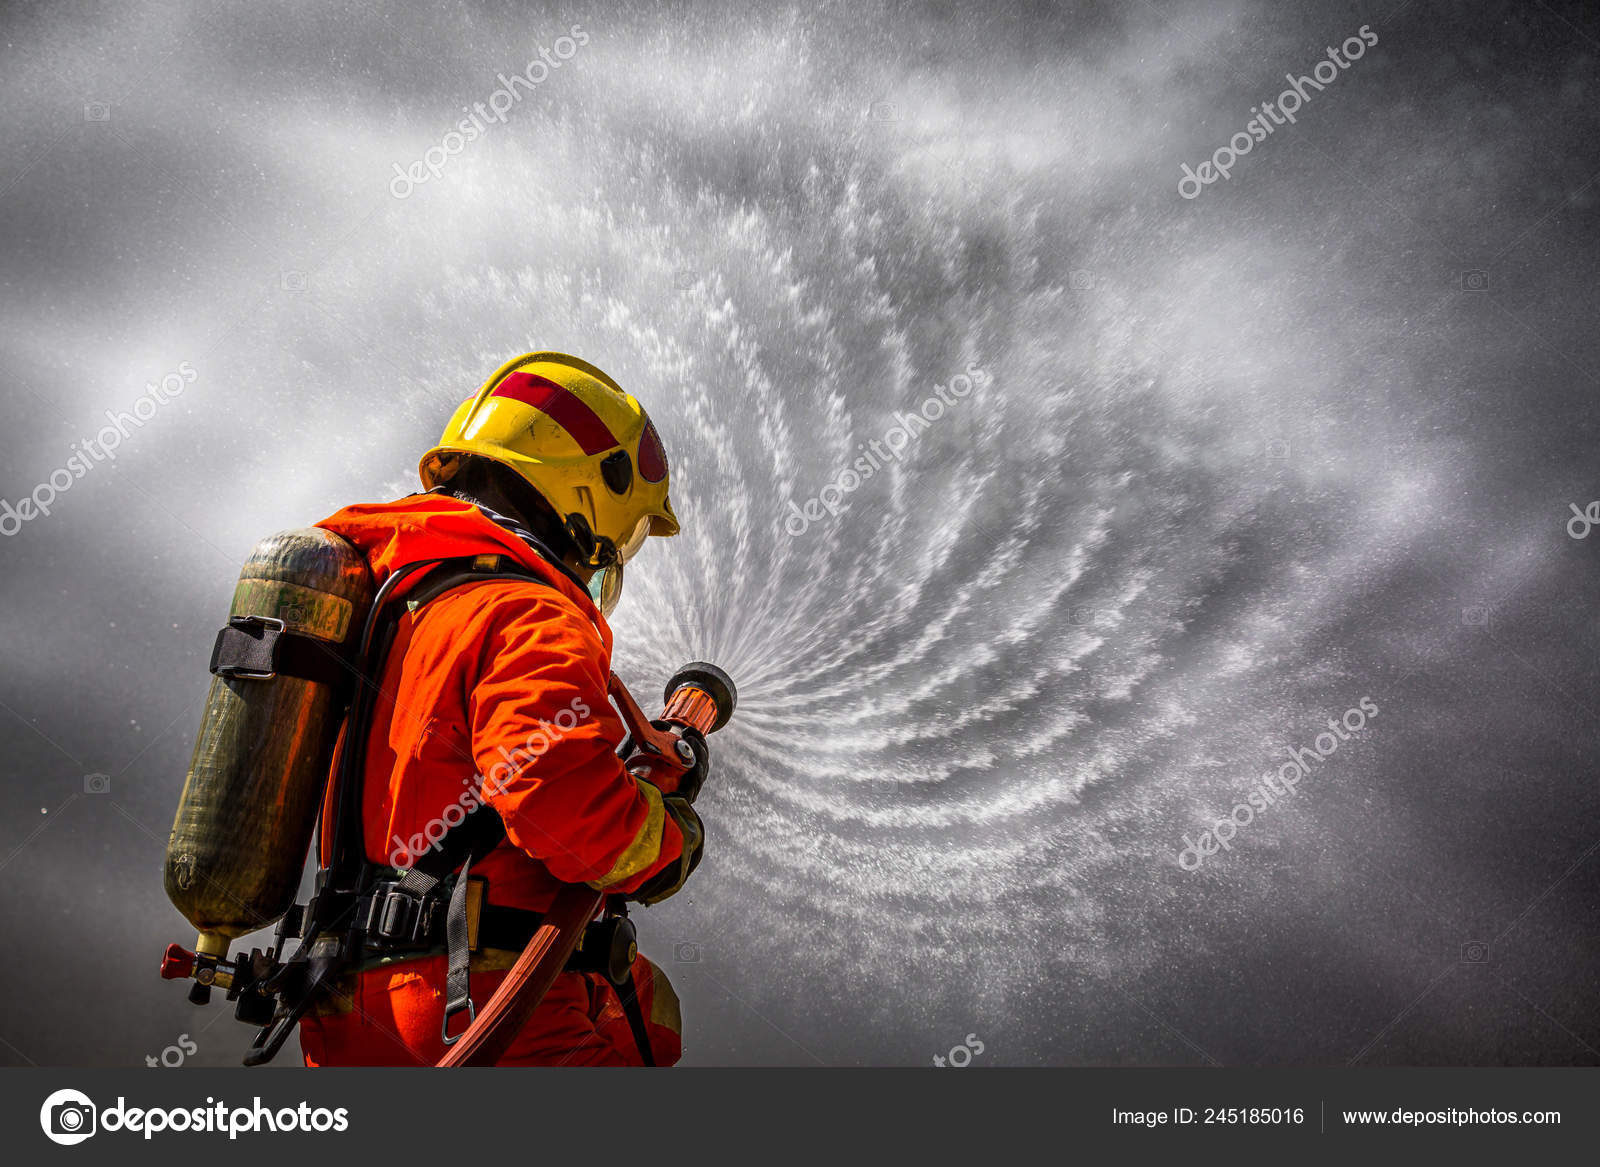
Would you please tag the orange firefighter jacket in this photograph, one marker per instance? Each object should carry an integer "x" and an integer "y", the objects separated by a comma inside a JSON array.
[{"x": 497, "y": 691}]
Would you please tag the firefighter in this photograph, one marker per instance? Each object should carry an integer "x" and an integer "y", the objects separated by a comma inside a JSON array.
[{"x": 493, "y": 701}]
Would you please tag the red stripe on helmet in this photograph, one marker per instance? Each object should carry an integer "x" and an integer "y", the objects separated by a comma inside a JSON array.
[
  {"x": 561, "y": 405},
  {"x": 652, "y": 457}
]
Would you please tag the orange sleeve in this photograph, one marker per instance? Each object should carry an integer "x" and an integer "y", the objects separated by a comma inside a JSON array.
[{"x": 544, "y": 737}]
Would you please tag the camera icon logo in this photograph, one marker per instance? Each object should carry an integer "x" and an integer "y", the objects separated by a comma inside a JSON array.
[
  {"x": 686, "y": 952},
  {"x": 1475, "y": 281},
  {"x": 293, "y": 281},
  {"x": 1475, "y": 952},
  {"x": 685, "y": 279},
  {"x": 96, "y": 111},
  {"x": 67, "y": 1117},
  {"x": 97, "y": 783}
]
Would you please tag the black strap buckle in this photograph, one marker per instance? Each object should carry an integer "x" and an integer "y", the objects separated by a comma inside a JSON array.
[
  {"x": 247, "y": 649},
  {"x": 396, "y": 917}
]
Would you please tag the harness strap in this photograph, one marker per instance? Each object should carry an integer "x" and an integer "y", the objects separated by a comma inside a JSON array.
[
  {"x": 440, "y": 577},
  {"x": 464, "y": 844},
  {"x": 333, "y": 927}
]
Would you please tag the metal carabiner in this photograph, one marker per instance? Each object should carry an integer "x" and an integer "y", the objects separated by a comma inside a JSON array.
[{"x": 449, "y": 1012}]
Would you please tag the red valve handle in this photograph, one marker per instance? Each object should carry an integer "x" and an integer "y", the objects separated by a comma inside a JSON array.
[{"x": 177, "y": 962}]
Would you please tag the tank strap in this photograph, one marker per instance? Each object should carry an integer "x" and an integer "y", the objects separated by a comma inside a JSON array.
[{"x": 259, "y": 648}]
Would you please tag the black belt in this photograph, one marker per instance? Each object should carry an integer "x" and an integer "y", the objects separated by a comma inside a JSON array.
[
  {"x": 509, "y": 928},
  {"x": 398, "y": 925},
  {"x": 396, "y": 922}
]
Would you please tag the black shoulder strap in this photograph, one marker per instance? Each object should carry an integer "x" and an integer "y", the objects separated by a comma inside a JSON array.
[{"x": 478, "y": 569}]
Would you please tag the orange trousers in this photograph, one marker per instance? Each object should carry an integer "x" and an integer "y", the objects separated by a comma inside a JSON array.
[{"x": 390, "y": 1016}]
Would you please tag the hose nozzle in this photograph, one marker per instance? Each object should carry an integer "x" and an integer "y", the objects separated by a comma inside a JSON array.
[{"x": 700, "y": 695}]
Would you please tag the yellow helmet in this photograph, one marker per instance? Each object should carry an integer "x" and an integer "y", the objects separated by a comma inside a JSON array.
[{"x": 586, "y": 446}]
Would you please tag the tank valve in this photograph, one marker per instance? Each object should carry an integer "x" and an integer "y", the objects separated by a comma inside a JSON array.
[{"x": 178, "y": 964}]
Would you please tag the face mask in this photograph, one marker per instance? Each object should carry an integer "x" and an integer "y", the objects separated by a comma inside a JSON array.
[{"x": 605, "y": 588}]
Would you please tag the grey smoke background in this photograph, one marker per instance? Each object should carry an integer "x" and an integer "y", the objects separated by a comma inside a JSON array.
[{"x": 1238, "y": 462}]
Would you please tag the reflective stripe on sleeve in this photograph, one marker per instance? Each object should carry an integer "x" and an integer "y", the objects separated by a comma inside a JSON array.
[{"x": 645, "y": 849}]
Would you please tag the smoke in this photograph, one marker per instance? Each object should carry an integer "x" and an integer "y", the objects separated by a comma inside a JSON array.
[{"x": 1202, "y": 474}]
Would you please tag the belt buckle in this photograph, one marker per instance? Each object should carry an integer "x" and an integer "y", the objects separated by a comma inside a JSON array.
[{"x": 397, "y": 917}]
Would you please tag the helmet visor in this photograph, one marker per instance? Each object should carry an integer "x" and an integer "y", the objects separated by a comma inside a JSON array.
[
  {"x": 629, "y": 547},
  {"x": 605, "y": 588}
]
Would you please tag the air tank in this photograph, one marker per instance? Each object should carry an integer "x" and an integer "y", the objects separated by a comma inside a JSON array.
[{"x": 261, "y": 758}]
